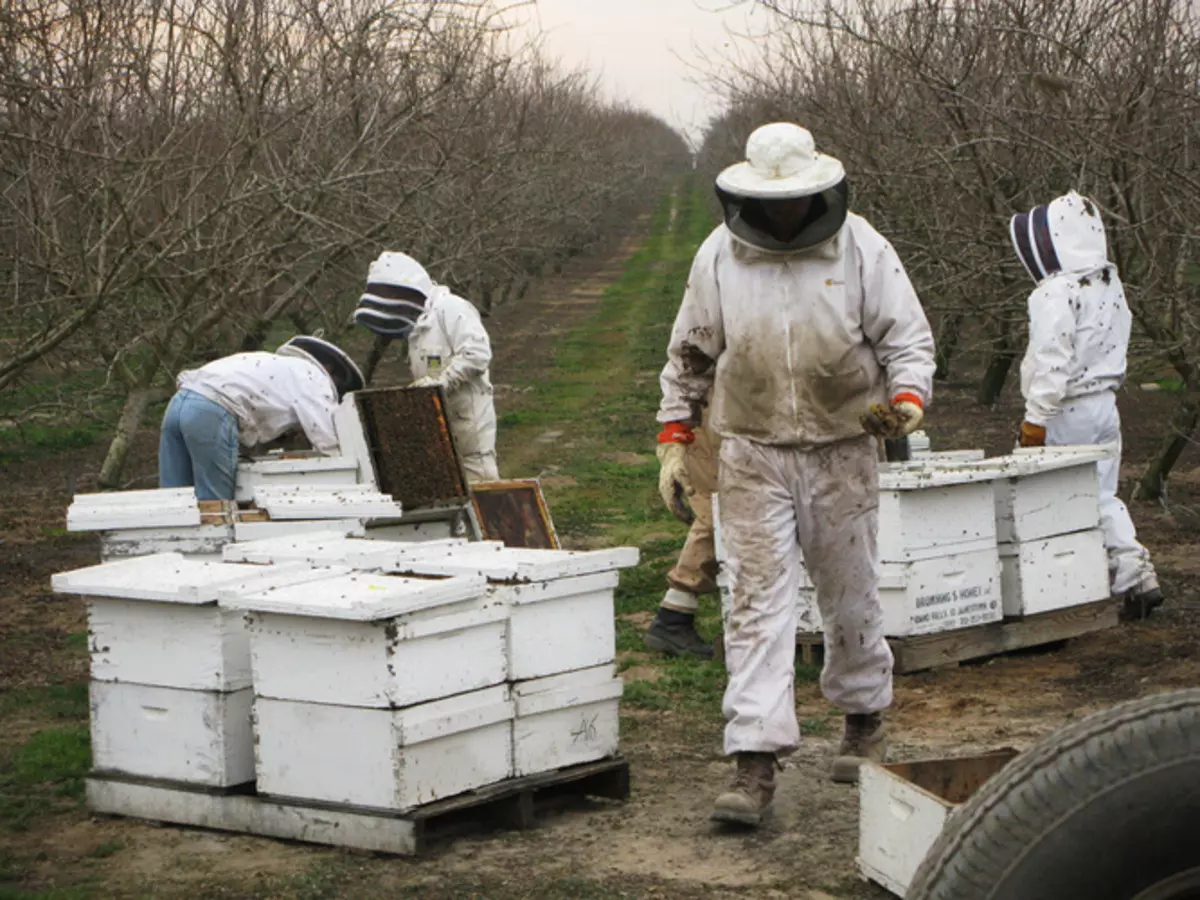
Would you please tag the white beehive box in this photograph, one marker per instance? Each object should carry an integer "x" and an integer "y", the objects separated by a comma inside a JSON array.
[
  {"x": 565, "y": 720},
  {"x": 373, "y": 640},
  {"x": 154, "y": 620},
  {"x": 1044, "y": 575},
  {"x": 929, "y": 509},
  {"x": 320, "y": 471},
  {"x": 195, "y": 737},
  {"x": 560, "y": 602},
  {"x": 1047, "y": 494},
  {"x": 928, "y": 595},
  {"x": 388, "y": 759},
  {"x": 904, "y": 806}
]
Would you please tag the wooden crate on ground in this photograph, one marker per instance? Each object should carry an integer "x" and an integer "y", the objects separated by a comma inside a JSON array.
[{"x": 904, "y": 806}]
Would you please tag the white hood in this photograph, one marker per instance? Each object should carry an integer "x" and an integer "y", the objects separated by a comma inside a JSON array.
[
  {"x": 401, "y": 270},
  {"x": 1065, "y": 236}
]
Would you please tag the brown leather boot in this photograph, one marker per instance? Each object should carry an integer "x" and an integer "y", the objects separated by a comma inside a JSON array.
[
  {"x": 748, "y": 801},
  {"x": 865, "y": 738}
]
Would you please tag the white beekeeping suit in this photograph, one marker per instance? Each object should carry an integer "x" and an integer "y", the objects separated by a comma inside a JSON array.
[
  {"x": 1079, "y": 325},
  {"x": 798, "y": 317},
  {"x": 447, "y": 346}
]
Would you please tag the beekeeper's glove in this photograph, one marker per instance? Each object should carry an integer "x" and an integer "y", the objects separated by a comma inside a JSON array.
[
  {"x": 427, "y": 381},
  {"x": 1032, "y": 435},
  {"x": 674, "y": 483},
  {"x": 902, "y": 417}
]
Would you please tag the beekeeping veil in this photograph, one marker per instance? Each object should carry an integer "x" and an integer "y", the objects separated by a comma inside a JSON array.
[
  {"x": 345, "y": 375},
  {"x": 398, "y": 288},
  {"x": 782, "y": 163},
  {"x": 1064, "y": 235}
]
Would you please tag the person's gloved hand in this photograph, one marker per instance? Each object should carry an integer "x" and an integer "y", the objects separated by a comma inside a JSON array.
[
  {"x": 902, "y": 417},
  {"x": 427, "y": 381},
  {"x": 674, "y": 483},
  {"x": 1032, "y": 435}
]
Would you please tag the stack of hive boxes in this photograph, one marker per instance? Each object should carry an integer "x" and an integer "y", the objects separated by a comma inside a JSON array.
[
  {"x": 539, "y": 643},
  {"x": 170, "y": 689},
  {"x": 1048, "y": 528}
]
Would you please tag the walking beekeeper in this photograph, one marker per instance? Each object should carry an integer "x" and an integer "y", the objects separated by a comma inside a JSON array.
[
  {"x": 447, "y": 346},
  {"x": 1079, "y": 328},
  {"x": 251, "y": 399},
  {"x": 673, "y": 630},
  {"x": 800, "y": 320}
]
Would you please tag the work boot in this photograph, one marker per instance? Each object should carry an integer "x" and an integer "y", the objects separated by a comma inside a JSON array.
[
  {"x": 748, "y": 801},
  {"x": 1142, "y": 601},
  {"x": 865, "y": 738},
  {"x": 674, "y": 633}
]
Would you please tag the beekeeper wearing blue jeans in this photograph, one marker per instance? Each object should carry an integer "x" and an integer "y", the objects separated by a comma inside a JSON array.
[{"x": 250, "y": 399}]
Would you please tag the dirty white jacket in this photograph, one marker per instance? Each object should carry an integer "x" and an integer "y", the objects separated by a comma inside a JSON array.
[
  {"x": 795, "y": 347},
  {"x": 270, "y": 394},
  {"x": 1079, "y": 322}
]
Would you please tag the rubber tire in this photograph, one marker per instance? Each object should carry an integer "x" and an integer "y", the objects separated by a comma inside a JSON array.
[{"x": 1102, "y": 810}]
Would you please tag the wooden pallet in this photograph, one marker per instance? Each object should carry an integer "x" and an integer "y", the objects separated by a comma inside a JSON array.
[
  {"x": 915, "y": 654},
  {"x": 515, "y": 803}
]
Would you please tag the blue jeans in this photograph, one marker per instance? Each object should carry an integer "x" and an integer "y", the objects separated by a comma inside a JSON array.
[{"x": 198, "y": 446}]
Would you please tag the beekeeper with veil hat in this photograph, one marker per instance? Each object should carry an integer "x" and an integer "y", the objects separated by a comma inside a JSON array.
[
  {"x": 447, "y": 347},
  {"x": 801, "y": 325}
]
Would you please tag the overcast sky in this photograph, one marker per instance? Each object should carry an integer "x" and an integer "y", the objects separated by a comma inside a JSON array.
[{"x": 646, "y": 50}]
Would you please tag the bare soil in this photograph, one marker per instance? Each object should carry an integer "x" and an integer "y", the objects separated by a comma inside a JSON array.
[{"x": 660, "y": 843}]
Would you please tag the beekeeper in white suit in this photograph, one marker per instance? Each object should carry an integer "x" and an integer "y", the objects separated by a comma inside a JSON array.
[
  {"x": 799, "y": 317},
  {"x": 447, "y": 346},
  {"x": 1079, "y": 326}
]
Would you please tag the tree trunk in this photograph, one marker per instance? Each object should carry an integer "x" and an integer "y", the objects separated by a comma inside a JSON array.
[
  {"x": 997, "y": 370},
  {"x": 377, "y": 350},
  {"x": 947, "y": 344},
  {"x": 127, "y": 428},
  {"x": 1153, "y": 483}
]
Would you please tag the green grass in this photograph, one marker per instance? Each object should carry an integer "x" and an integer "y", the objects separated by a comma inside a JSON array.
[{"x": 43, "y": 774}]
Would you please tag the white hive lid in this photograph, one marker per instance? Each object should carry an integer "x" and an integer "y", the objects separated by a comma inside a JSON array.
[
  {"x": 162, "y": 508},
  {"x": 513, "y": 564},
  {"x": 172, "y": 578},
  {"x": 357, "y": 596}
]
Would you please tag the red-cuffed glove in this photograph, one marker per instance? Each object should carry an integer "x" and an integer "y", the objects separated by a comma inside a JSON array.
[
  {"x": 674, "y": 483},
  {"x": 901, "y": 417}
]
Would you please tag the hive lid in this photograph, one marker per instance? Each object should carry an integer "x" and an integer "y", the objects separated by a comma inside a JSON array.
[
  {"x": 172, "y": 578},
  {"x": 303, "y": 501},
  {"x": 300, "y": 465},
  {"x": 163, "y": 508},
  {"x": 357, "y": 596},
  {"x": 334, "y": 548},
  {"x": 513, "y": 564}
]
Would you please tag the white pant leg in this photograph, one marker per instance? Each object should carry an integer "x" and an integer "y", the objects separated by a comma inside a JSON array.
[
  {"x": 838, "y": 516},
  {"x": 758, "y": 530},
  {"x": 480, "y": 467},
  {"x": 1094, "y": 419}
]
